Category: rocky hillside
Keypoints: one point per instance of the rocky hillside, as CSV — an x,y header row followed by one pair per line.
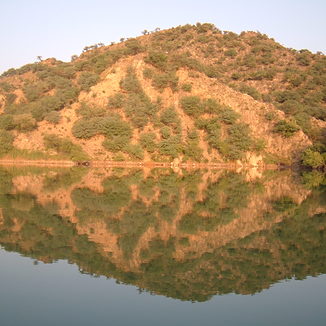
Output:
x,y
190,93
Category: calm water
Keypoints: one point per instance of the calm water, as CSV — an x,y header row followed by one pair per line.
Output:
x,y
161,247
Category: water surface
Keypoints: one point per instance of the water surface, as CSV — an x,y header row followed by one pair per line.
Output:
x,y
138,247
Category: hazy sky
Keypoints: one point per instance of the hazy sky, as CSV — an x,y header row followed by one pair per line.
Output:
x,y
62,28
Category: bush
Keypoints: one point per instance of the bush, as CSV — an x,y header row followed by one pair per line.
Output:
x,y
191,149
164,80
24,122
139,109
116,101
10,98
283,96
6,141
148,73
313,158
130,83
171,146
253,92
147,140
88,112
270,116
230,53
213,129
6,87
133,46
135,151
116,144
192,105
262,74
87,128
111,127
53,117
165,132
186,87
114,126
87,80
170,117
157,59
6,122
227,115
33,91
286,129
65,147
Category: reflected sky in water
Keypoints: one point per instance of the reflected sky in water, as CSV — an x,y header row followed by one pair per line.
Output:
x,y
58,294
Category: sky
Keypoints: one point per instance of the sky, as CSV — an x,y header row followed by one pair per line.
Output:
x,y
61,28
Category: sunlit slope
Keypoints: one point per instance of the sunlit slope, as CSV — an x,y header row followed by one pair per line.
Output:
x,y
191,93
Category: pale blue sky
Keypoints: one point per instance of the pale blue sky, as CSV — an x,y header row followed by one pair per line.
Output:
x,y
62,28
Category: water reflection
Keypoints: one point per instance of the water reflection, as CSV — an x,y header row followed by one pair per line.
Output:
x,y
185,235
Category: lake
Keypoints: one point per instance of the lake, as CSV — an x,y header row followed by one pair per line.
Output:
x,y
116,246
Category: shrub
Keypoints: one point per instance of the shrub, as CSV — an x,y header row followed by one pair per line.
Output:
x,y
133,46
192,105
10,98
6,87
33,91
186,87
116,143
24,122
148,73
313,158
192,150
270,116
87,128
139,109
170,118
147,140
236,76
164,80
87,80
227,115
135,151
286,129
262,74
130,83
171,146
6,122
253,92
111,127
230,53
165,132
283,96
53,117
6,141
65,147
157,59
116,101
291,107
88,112
213,129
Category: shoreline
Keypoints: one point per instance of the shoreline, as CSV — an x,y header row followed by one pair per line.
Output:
x,y
132,164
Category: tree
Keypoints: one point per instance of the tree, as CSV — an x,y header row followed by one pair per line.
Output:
x,y
74,57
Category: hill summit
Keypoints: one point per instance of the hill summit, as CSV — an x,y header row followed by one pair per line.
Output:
x,y
191,93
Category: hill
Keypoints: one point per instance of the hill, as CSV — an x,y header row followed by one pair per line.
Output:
x,y
190,93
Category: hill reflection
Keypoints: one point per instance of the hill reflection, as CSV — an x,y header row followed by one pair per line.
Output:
x,y
186,235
